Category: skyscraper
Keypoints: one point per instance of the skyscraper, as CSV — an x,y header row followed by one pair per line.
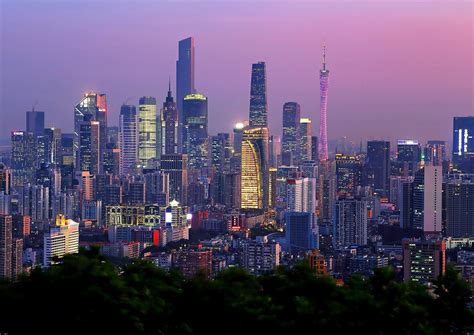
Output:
x,y
301,231
5,246
195,136
435,152
460,205
314,148
408,156
290,143
427,199
254,179
149,144
306,132
463,143
128,137
323,133
53,146
175,165
350,223
89,147
92,107
377,166
23,158
169,126
35,122
348,174
184,77
258,96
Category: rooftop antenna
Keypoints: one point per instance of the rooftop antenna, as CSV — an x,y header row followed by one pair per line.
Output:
x,y
34,105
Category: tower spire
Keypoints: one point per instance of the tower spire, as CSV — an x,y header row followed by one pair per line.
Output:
x,y
324,56
169,86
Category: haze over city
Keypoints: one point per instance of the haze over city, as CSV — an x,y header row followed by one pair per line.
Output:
x,y
389,61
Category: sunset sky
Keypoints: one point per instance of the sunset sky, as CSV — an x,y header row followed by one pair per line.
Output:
x,y
398,69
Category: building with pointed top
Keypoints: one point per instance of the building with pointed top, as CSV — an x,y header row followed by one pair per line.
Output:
x,y
323,132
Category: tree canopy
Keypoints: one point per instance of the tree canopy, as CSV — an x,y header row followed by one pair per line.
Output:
x,y
87,294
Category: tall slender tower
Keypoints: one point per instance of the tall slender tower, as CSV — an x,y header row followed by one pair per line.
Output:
x,y
128,137
323,132
258,96
184,78
169,126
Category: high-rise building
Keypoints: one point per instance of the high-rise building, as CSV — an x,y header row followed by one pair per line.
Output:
x,y
460,205
377,166
435,152
184,77
53,147
35,122
169,126
290,144
195,136
17,258
149,131
220,152
314,148
408,156
323,133
301,195
306,132
427,199
61,239
463,143
194,262
348,174
258,96
23,158
92,107
423,261
175,165
128,135
88,154
5,246
5,179
254,179
350,223
261,256
301,231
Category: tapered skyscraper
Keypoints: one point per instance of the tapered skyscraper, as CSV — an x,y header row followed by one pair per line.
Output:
x,y
323,132
184,77
169,126
258,96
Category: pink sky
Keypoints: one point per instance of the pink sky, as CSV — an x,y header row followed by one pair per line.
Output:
x,y
399,69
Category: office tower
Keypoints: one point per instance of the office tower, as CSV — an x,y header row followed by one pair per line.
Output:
x,y
92,107
195,136
89,154
301,231
261,256
254,176
87,185
221,152
402,197
176,167
238,134
323,133
310,169
348,174
460,205
258,96
5,178
112,137
427,198
377,166
306,132
273,149
111,160
23,158
184,78
314,148
149,131
301,195
327,190
290,144
35,122
60,240
169,126
350,223
128,135
17,258
5,246
67,149
53,148
408,156
423,261
463,143
194,262
435,152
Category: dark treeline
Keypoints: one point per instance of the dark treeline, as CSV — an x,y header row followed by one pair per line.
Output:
x,y
87,294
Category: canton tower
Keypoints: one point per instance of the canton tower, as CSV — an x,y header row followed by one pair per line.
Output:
x,y
323,132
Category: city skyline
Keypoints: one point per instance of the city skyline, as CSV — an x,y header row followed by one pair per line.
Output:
x,y
361,86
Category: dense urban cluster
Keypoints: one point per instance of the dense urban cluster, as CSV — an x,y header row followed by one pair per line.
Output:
x,y
159,188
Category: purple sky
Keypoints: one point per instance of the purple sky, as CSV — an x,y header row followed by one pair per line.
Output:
x,y
399,69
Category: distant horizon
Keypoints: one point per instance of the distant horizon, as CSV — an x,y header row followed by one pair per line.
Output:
x,y
396,75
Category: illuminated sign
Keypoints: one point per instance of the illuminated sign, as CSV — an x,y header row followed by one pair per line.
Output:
x,y
168,217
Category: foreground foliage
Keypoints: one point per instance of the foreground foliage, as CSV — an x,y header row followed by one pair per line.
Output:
x,y
88,295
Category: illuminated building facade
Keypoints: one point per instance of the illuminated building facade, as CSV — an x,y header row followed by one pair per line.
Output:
x,y
306,132
62,239
89,147
423,261
290,143
169,126
258,96
128,137
23,158
463,143
184,77
348,174
254,179
408,156
195,135
148,130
